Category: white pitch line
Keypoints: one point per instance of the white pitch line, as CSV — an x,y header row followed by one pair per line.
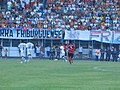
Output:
x,y
100,69
105,70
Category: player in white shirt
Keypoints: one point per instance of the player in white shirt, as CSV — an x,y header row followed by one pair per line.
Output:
x,y
62,53
29,46
22,48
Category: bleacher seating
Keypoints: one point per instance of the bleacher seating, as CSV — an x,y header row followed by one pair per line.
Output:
x,y
62,14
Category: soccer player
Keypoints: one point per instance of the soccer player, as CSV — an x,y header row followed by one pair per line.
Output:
x,y
66,50
29,46
62,52
71,49
22,48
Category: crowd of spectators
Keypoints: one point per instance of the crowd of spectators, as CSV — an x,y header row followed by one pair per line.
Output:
x,y
62,14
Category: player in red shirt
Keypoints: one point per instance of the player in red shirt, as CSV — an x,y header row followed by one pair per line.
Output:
x,y
66,50
71,50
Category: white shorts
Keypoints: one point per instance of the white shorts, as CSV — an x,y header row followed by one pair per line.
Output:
x,y
22,54
62,54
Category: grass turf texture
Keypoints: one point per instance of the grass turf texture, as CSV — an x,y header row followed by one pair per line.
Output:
x,y
59,75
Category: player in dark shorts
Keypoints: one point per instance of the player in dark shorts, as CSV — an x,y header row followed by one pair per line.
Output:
x,y
71,50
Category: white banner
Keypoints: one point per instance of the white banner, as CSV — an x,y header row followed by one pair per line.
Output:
x,y
73,35
30,34
116,37
101,36
77,35
84,35
95,35
106,36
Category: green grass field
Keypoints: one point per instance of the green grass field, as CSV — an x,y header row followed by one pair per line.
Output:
x,y
59,75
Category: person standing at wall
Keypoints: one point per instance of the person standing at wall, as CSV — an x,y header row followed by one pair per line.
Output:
x,y
97,53
115,54
90,52
108,54
6,53
80,51
112,50
48,51
58,52
52,52
38,51
1,51
42,51
102,53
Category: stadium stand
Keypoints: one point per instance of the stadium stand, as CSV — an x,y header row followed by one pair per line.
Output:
x,y
62,14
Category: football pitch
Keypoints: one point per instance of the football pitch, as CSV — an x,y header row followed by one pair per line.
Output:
x,y
59,75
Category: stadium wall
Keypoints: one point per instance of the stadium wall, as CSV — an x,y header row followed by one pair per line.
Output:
x,y
10,38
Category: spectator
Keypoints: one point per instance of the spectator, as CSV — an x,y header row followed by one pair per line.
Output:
x,y
90,52
108,54
80,15
102,53
6,53
52,52
38,51
48,51
1,51
42,51
115,54
80,51
57,50
97,53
